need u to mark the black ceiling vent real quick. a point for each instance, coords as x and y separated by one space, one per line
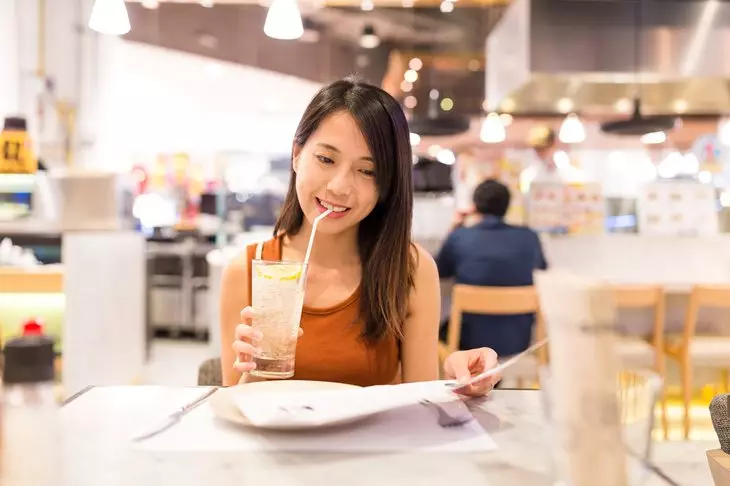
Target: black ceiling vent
439 126
638 124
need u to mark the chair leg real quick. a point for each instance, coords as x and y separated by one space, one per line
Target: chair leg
686 372
660 370
665 416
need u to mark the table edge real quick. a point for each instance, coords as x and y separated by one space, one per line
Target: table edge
76 395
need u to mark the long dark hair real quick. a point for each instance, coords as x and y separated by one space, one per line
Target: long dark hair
384 236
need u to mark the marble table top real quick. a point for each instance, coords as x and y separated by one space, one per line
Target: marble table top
96 449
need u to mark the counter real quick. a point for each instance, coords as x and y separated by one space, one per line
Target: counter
93 305
35 292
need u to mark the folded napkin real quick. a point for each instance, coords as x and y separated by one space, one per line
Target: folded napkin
328 407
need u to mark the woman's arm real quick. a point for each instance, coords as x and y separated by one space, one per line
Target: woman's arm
419 351
234 297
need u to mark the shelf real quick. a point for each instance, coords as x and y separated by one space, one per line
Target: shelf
36 281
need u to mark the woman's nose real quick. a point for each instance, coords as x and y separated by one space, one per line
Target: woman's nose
341 183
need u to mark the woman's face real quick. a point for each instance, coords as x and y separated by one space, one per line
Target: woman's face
335 170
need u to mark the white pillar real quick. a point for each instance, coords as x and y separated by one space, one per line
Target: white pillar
68 60
9 67
26 39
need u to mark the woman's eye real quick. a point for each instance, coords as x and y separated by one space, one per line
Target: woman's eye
368 172
325 160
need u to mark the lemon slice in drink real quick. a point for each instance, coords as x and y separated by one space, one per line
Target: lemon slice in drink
279 272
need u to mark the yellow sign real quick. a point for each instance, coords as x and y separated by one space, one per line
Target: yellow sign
16 155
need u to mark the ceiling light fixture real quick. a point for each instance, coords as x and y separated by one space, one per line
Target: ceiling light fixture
446 6
446 156
572 130
565 105
411 76
653 138
109 17
369 39
284 20
492 129
415 64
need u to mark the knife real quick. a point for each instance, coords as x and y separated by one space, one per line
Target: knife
456 385
174 417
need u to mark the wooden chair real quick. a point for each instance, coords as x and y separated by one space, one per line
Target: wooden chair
689 350
635 352
500 301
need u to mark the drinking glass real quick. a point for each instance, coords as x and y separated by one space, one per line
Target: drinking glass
638 393
277 298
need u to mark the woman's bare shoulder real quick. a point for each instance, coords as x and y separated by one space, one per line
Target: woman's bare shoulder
425 263
237 268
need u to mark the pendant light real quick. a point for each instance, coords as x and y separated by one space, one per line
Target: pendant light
109 17
284 20
572 130
492 129
369 39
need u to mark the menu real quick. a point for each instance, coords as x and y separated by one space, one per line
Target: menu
677 208
319 408
571 208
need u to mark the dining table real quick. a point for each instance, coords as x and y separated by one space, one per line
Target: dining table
98 423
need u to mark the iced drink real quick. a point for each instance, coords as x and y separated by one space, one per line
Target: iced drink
277 302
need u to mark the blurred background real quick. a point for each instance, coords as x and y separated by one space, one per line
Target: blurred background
146 142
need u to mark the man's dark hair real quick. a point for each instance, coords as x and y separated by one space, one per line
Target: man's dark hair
491 197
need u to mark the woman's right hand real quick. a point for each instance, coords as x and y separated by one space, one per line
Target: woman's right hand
244 344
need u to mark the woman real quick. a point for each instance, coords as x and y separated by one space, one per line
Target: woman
372 297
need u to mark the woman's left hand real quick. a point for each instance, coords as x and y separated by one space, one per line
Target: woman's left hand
462 365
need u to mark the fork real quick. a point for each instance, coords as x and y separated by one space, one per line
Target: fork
445 419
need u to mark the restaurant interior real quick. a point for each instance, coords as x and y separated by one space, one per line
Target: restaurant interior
153 144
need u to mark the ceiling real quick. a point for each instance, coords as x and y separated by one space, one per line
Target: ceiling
450 45
518 131
591 56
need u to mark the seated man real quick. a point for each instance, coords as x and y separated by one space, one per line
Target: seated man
492 253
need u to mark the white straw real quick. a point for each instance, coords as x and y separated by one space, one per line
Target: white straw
305 264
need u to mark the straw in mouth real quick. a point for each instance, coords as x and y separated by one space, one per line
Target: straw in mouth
305 264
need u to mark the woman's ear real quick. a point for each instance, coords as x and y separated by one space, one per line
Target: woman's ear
295 152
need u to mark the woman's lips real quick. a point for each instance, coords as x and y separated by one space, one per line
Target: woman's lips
334 214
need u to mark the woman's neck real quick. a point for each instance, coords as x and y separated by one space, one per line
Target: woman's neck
329 250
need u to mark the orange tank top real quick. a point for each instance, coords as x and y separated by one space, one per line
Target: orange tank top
331 348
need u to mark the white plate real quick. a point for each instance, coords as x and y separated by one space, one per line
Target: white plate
223 402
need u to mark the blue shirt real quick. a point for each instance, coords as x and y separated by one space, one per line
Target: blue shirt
495 254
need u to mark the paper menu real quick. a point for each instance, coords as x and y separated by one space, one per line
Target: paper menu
325 407
569 207
681 207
